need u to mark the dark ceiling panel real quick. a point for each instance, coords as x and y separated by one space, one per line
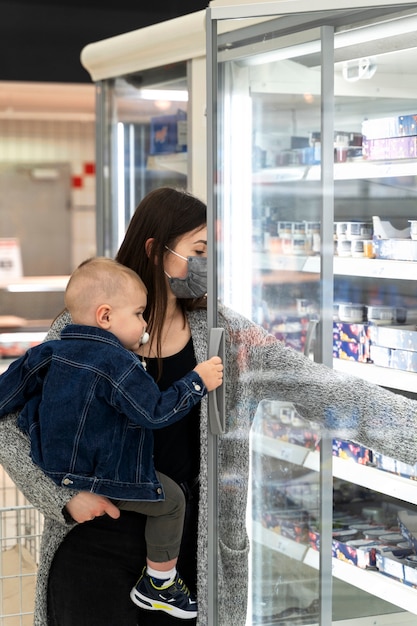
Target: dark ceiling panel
42 41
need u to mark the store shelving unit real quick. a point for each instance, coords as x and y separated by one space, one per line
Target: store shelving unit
303 98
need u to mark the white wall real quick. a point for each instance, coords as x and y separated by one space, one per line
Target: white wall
60 141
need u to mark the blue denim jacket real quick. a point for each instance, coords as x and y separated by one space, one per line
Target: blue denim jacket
89 408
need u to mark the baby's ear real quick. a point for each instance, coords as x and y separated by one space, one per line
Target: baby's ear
103 314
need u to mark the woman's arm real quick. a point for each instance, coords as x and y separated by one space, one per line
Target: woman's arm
348 406
40 490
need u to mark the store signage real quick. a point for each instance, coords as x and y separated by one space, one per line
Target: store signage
10 260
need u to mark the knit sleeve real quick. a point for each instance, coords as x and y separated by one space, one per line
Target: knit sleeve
349 407
40 490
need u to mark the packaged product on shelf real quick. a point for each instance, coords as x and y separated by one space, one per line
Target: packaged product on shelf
351 451
293 525
404 360
395 249
394 564
385 315
358 552
393 466
383 229
281 421
398 337
394 126
169 133
351 351
390 138
390 148
351 341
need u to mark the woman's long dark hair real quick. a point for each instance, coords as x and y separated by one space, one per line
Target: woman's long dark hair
163 215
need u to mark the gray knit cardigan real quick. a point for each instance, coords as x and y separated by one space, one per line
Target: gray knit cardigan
257 367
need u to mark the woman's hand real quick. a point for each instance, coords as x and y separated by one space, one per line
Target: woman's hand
85 506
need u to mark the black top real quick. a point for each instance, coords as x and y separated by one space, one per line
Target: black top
177 447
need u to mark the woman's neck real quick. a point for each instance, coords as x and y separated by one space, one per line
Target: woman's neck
175 333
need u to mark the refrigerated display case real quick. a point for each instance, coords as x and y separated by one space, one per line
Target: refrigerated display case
150 118
312 191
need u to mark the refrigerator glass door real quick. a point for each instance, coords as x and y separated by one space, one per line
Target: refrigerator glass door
142 144
288 95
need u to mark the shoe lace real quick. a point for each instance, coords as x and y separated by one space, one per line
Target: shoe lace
183 587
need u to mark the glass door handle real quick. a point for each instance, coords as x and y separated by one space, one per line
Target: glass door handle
217 398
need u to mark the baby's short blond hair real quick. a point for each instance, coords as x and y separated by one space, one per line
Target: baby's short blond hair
97 281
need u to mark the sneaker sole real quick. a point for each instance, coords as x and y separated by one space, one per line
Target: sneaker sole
153 605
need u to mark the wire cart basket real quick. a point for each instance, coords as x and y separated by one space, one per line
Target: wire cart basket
20 535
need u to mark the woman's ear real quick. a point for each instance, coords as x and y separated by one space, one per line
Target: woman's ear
103 314
148 246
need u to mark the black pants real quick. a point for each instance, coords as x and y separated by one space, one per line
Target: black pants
98 563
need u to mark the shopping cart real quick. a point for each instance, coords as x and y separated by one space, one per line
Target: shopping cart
20 534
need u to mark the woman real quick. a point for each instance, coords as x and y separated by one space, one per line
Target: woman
84 577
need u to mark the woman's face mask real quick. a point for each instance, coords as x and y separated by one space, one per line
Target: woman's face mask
194 285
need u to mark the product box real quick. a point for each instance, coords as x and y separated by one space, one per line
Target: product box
291 330
351 451
396 565
408 124
393 466
351 351
291 525
397 337
395 126
404 360
169 133
301 434
390 148
391 565
351 341
381 127
352 333
381 356
395 249
360 552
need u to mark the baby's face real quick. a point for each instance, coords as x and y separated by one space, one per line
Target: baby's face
126 320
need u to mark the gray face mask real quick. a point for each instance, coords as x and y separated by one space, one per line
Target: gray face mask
194 285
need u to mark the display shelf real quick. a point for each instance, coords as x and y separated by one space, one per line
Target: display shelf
383 376
351 170
277 542
35 283
375 268
277 262
372 582
397 487
285 451
366 476
342 266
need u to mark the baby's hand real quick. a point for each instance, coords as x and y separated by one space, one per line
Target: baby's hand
211 372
